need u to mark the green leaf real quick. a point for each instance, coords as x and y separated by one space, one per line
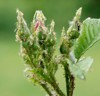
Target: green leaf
80 68
89 35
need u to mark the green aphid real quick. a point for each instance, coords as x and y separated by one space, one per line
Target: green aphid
50 40
35 45
41 64
25 44
41 36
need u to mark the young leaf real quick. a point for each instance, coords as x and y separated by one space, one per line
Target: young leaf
89 35
80 68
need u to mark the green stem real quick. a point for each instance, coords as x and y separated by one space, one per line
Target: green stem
67 78
69 81
53 84
46 89
71 85
56 87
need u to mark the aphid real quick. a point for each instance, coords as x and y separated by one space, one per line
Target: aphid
78 24
41 64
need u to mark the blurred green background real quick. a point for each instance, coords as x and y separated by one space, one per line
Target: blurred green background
12 80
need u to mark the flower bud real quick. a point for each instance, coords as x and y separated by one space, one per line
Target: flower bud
22 29
74 34
51 39
38 21
64 48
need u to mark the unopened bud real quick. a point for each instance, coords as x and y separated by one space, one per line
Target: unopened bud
74 34
38 21
64 47
22 28
78 14
52 26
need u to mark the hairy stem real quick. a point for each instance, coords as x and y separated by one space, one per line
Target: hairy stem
46 89
71 85
56 87
67 78
69 81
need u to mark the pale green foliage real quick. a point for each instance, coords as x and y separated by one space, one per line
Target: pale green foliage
80 68
89 35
